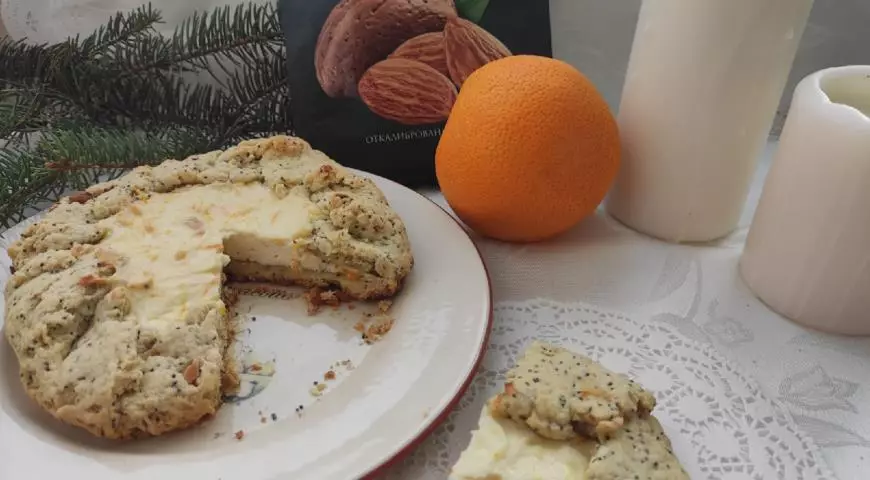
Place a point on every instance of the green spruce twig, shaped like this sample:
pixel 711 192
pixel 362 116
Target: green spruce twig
pixel 33 184
pixel 240 35
pixel 77 156
pixel 121 30
pixel 90 108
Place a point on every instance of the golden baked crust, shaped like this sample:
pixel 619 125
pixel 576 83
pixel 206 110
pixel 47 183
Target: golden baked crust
pixel 562 395
pixel 640 449
pixel 88 361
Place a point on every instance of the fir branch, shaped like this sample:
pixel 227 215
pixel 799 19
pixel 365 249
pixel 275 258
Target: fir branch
pixel 24 185
pixel 125 95
pixel 144 101
pixel 261 97
pixel 21 112
pixel 253 101
pixel 96 152
pixel 76 157
pixel 121 29
pixel 244 34
pixel 22 63
pixel 149 55
pixel 139 74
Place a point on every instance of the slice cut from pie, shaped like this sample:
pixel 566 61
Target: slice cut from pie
pixel 116 307
pixel 639 449
pixel 505 450
pixel 563 416
pixel 561 395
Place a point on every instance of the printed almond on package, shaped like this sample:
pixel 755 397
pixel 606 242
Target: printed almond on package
pixel 373 81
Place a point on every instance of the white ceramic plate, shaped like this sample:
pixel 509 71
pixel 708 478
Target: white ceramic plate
pixel 384 398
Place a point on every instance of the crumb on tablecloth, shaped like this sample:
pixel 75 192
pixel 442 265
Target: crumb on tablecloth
pixel 240 434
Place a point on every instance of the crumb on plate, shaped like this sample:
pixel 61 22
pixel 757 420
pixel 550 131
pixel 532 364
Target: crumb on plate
pixel 317 297
pixel 317 389
pixel 384 305
pixel 378 328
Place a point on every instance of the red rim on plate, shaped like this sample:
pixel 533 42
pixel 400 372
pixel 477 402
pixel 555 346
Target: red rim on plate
pixel 438 419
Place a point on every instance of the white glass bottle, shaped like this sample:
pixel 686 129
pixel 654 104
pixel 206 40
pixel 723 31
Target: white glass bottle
pixel 703 84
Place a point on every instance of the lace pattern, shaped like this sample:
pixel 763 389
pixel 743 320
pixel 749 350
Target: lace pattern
pixel 721 423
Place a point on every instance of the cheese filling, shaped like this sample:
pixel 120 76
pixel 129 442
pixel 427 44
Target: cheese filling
pixel 172 247
pixel 502 450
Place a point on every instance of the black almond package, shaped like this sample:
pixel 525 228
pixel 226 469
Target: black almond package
pixel 373 81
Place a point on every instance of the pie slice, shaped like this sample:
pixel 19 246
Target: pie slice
pixel 562 395
pixel 564 417
pixel 641 450
pixel 504 450
pixel 117 309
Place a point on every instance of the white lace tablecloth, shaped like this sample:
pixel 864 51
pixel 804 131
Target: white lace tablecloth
pixel 557 290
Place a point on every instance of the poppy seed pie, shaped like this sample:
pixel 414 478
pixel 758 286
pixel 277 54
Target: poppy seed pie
pixel 115 309
pixel 562 395
pixel 564 416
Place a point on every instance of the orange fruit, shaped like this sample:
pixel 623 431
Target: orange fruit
pixel 529 150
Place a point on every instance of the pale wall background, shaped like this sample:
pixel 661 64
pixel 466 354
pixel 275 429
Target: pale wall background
pixel 596 36
pixel 593 35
